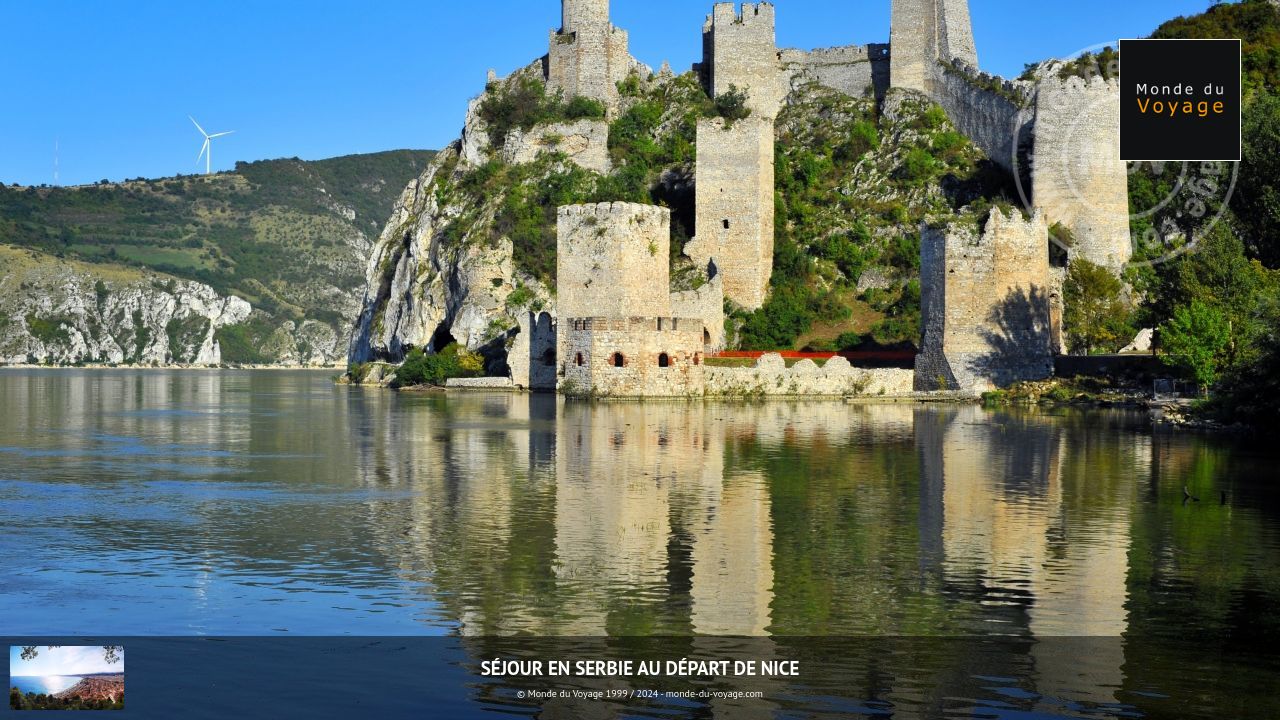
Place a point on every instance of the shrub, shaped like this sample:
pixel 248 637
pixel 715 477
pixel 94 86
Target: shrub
pixel 732 105
pixel 584 107
pixel 421 368
pixel 917 166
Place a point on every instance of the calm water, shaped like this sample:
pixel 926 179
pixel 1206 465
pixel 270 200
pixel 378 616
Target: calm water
pixel 261 503
pixel 46 685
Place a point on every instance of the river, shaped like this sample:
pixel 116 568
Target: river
pixel 1019 548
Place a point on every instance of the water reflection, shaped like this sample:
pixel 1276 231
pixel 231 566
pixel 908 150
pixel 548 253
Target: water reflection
pixel 273 502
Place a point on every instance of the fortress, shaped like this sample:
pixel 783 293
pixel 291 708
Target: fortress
pixel 990 299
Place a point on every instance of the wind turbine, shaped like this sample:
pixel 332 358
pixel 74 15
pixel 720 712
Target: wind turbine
pixel 206 150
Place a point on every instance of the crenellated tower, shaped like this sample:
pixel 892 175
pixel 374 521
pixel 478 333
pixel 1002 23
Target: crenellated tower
pixel 588 56
pixel 740 50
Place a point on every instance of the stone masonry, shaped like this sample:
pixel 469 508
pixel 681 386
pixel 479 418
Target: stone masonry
pixel 1078 177
pixel 588 56
pixel 734 206
pixel 1069 128
pixel 985 305
pixel 634 357
pixel 921 33
pixel 740 50
pixel 616 333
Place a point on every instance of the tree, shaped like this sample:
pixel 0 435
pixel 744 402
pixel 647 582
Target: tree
pixel 1195 341
pixel 1257 196
pixel 1097 316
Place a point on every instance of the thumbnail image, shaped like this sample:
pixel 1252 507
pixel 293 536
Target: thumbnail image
pixel 66 677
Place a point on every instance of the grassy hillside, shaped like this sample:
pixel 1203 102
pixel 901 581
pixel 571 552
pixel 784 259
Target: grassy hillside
pixel 289 236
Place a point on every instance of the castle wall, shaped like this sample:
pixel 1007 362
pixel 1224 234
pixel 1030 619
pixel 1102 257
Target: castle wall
pixel 707 304
pixel 851 69
pixel 585 142
pixel 1078 178
pixel 985 305
pixel 837 378
pixel 997 122
pixel 744 53
pixel 735 206
pixel 621 356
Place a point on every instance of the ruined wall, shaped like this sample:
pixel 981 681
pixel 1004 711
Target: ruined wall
pixel 623 356
pixel 744 53
pixel 588 56
pixel 997 121
pixel 837 378
pixel 585 142
pixel 1078 178
pixel 735 210
pixel 985 305
pixel 852 69
pixel 531 356
pixel 707 304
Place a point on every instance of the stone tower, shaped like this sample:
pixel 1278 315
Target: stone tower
pixel 735 206
pixel 583 14
pixel 588 56
pixel 739 49
pixel 986 305
pixel 923 32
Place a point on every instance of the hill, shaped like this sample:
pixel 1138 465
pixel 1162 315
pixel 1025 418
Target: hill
pixel 289 237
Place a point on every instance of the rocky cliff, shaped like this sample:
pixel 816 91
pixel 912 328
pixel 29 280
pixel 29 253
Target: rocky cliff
pixel 60 311
pixel 271 256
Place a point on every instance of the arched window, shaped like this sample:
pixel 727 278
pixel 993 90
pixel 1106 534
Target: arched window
pixel 549 357
pixel 579 360
pixel 706 336
pixel 618 360
pixel 726 223
pixel 664 360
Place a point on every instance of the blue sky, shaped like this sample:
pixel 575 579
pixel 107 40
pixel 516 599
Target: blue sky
pixel 112 83
pixel 65 660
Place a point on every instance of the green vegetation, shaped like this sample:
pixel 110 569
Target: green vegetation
pixel 1255 22
pixel 525 104
pixel 1195 340
pixel 1104 63
pixel 1257 197
pixel 421 368
pixel 277 233
pixel 243 343
pixel 852 186
pixel 50 330
pixel 40 701
pixel 1098 317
